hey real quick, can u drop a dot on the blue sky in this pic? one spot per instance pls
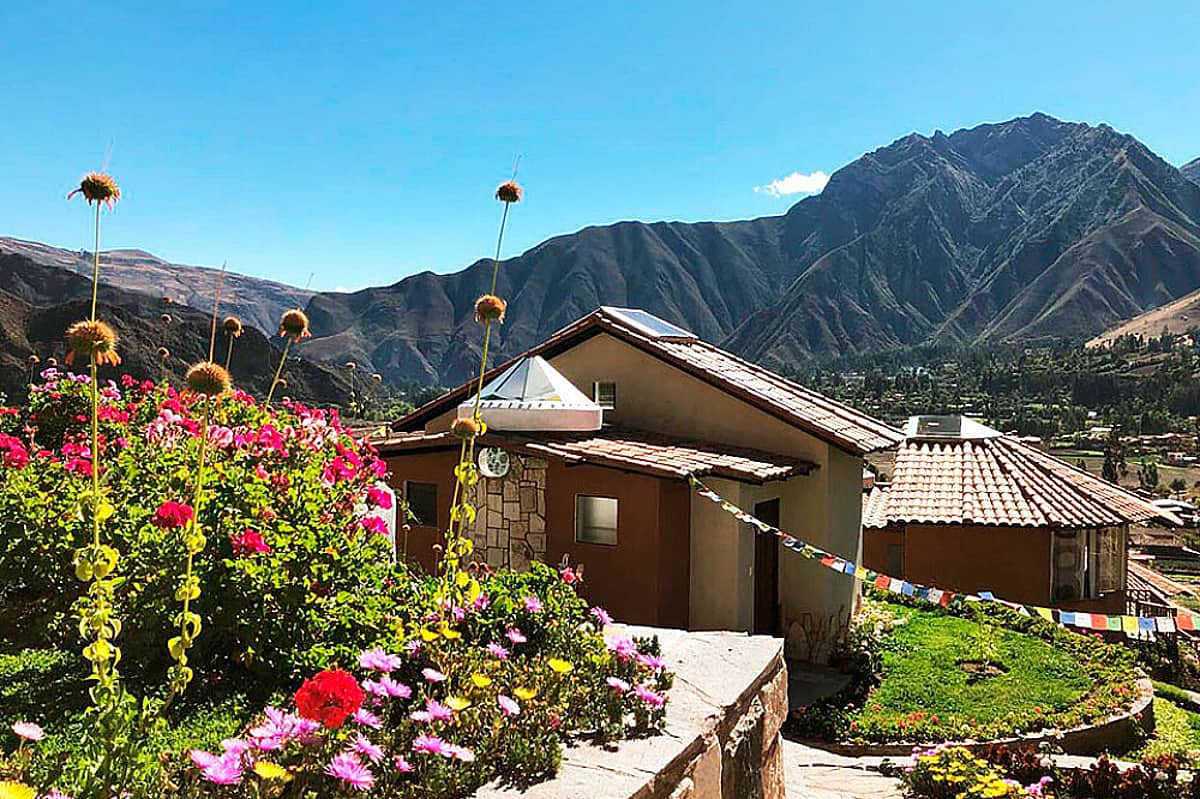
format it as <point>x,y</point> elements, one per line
<point>361,142</point>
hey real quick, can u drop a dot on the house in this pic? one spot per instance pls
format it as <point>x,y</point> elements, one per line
<point>591,437</point>
<point>970,510</point>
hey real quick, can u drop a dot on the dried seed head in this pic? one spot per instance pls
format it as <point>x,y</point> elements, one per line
<point>490,308</point>
<point>166,318</point>
<point>33,360</point>
<point>294,325</point>
<point>378,378</point>
<point>52,361</point>
<point>92,340</point>
<point>98,187</point>
<point>164,353</point>
<point>233,326</point>
<point>209,379</point>
<point>464,428</point>
<point>351,365</point>
<point>282,382</point>
<point>167,300</point>
<point>509,192</point>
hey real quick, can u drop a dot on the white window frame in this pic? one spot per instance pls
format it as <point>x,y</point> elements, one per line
<point>611,406</point>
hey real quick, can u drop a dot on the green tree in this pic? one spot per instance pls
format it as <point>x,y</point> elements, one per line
<point>1148,474</point>
<point>1114,458</point>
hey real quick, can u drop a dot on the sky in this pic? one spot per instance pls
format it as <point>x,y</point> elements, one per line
<point>361,142</point>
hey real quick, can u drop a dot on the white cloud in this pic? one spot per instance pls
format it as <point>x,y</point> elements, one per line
<point>795,183</point>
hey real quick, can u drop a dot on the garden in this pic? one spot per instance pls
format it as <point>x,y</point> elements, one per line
<point>200,598</point>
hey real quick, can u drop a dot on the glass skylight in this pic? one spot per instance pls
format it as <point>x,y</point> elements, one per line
<point>649,324</point>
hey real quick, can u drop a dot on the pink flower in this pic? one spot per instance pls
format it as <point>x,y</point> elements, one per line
<point>363,746</point>
<point>653,662</point>
<point>350,770</point>
<point>367,718</point>
<point>533,605</point>
<point>433,675</point>
<point>278,728</point>
<point>508,705</point>
<point>374,525</point>
<point>433,745</point>
<point>461,753</point>
<point>434,711</point>
<point>622,646</point>
<point>249,542</point>
<point>225,769</point>
<point>649,697</point>
<point>28,730</point>
<point>601,616</point>
<point>379,498</point>
<point>402,765</point>
<point>172,515</point>
<point>497,651</point>
<point>617,684</point>
<point>378,660</point>
<point>515,635</point>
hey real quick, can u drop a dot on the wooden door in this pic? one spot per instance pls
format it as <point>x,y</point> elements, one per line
<point>766,571</point>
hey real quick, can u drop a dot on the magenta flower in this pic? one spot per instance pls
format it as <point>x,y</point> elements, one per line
<point>433,675</point>
<point>649,697</point>
<point>367,718</point>
<point>461,753</point>
<point>379,498</point>
<point>249,542</point>
<point>617,684</point>
<point>433,745</point>
<point>434,711</point>
<point>601,616</point>
<point>378,660</point>
<point>622,646</point>
<point>508,705</point>
<point>172,515</point>
<point>653,662</point>
<point>413,648</point>
<point>363,746</point>
<point>515,635</point>
<point>533,604</point>
<point>278,728</point>
<point>402,765</point>
<point>497,651</point>
<point>374,525</point>
<point>350,770</point>
<point>223,770</point>
<point>28,731</point>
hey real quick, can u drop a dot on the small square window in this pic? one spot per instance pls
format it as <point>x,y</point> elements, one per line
<point>605,395</point>
<point>422,502</point>
<point>595,520</point>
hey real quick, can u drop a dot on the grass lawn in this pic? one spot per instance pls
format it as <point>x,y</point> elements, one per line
<point>1176,732</point>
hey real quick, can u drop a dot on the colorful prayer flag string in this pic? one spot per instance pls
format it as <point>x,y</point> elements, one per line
<point>1131,625</point>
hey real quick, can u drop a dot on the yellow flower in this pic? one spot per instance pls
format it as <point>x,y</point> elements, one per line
<point>271,771</point>
<point>16,790</point>
<point>448,633</point>
<point>481,680</point>
<point>97,187</point>
<point>428,635</point>
<point>457,703</point>
<point>525,693</point>
<point>560,666</point>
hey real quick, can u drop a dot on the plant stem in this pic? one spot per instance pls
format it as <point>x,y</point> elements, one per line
<point>96,264</point>
<point>229,353</point>
<point>95,454</point>
<point>278,371</point>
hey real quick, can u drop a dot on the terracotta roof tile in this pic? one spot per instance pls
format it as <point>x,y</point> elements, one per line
<point>827,419</point>
<point>996,481</point>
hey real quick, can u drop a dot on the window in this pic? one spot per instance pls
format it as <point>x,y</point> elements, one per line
<point>595,520</point>
<point>1087,564</point>
<point>895,560</point>
<point>422,502</point>
<point>605,395</point>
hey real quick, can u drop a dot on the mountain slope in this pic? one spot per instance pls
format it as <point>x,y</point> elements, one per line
<point>258,302</point>
<point>1191,170</point>
<point>1024,230</point>
<point>37,302</point>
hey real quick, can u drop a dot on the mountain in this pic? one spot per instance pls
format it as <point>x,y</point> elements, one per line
<point>1191,170</point>
<point>258,302</point>
<point>38,301</point>
<point>1025,230</point>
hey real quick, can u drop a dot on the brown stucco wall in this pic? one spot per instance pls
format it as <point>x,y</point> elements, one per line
<point>643,579</point>
<point>1011,562</point>
<point>424,467</point>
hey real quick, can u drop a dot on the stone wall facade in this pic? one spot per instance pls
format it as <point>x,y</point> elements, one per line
<point>510,520</point>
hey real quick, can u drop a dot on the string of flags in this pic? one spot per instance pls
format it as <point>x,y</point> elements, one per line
<point>1131,625</point>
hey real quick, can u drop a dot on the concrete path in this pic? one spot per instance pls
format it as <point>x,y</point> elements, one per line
<point>812,773</point>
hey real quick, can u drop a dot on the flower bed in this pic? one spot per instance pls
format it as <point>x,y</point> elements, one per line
<point>911,686</point>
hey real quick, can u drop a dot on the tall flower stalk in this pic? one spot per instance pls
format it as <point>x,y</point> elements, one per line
<point>489,309</point>
<point>233,330</point>
<point>97,562</point>
<point>293,326</point>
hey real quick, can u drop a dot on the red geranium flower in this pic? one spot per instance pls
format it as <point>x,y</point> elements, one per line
<point>172,515</point>
<point>330,697</point>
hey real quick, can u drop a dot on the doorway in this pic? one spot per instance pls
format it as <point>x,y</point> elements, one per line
<point>766,571</point>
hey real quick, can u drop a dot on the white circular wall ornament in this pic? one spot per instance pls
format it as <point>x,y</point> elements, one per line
<point>493,462</point>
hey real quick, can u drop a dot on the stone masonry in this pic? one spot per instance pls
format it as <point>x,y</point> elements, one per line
<point>510,521</point>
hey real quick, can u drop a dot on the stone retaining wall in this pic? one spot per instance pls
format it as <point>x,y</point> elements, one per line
<point>1117,733</point>
<point>722,734</point>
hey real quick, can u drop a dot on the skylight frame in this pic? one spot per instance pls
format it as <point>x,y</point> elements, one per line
<point>650,325</point>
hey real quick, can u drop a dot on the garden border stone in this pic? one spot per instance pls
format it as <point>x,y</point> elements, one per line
<point>1120,731</point>
<point>721,739</point>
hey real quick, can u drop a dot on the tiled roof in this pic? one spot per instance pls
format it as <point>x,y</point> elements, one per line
<point>997,481</point>
<point>1143,578</point>
<point>630,450</point>
<point>827,419</point>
